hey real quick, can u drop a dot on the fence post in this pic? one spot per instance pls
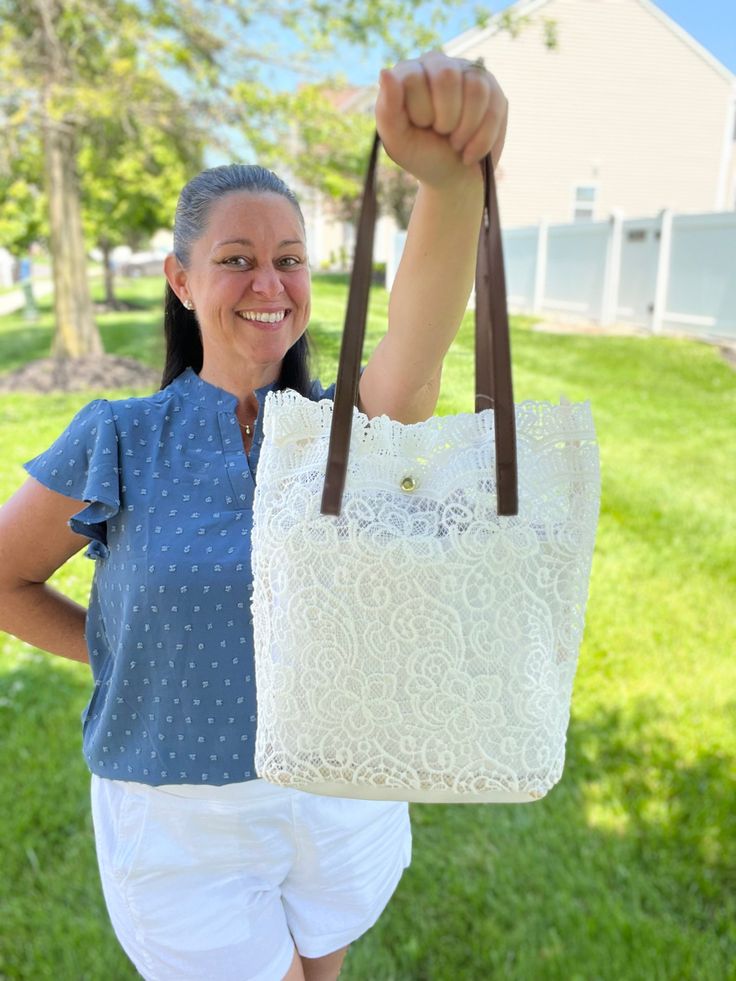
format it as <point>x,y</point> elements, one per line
<point>394,258</point>
<point>663,269</point>
<point>540,269</point>
<point>612,268</point>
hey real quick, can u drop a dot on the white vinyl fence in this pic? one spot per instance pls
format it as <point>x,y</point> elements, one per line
<point>668,274</point>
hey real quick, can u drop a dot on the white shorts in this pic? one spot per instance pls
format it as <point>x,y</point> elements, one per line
<point>221,883</point>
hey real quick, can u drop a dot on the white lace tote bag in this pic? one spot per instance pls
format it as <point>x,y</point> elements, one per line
<point>419,590</point>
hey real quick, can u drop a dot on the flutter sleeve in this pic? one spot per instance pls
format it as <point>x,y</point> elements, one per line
<point>83,464</point>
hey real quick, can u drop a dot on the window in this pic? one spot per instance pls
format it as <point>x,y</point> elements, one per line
<point>584,205</point>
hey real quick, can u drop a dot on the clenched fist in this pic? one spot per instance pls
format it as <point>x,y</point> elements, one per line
<point>439,116</point>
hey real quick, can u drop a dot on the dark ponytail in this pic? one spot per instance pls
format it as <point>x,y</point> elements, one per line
<point>181,330</point>
<point>183,340</point>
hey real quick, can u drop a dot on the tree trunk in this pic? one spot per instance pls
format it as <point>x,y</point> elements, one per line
<point>106,249</point>
<point>76,332</point>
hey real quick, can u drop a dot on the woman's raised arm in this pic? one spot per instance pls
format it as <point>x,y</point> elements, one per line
<point>437,118</point>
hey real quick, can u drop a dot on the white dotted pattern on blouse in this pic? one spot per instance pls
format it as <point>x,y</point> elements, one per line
<point>169,495</point>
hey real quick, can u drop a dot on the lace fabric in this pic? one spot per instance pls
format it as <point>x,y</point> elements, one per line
<point>419,646</point>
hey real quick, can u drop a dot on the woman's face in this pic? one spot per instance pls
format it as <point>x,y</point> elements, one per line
<point>249,281</point>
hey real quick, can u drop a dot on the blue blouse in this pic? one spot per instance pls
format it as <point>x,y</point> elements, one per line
<point>169,489</point>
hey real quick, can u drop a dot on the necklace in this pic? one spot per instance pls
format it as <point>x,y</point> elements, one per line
<point>247,429</point>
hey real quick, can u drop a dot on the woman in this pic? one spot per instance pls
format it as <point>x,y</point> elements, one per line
<point>207,871</point>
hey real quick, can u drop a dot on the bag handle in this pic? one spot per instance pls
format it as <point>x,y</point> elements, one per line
<point>493,385</point>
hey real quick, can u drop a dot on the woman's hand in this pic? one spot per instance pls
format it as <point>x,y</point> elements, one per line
<point>438,117</point>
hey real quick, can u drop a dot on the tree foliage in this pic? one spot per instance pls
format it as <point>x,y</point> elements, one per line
<point>95,96</point>
<point>309,136</point>
<point>132,177</point>
<point>23,215</point>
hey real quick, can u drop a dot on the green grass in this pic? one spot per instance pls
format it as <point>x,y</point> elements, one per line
<point>627,870</point>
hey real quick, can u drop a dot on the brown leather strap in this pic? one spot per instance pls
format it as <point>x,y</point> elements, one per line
<point>493,386</point>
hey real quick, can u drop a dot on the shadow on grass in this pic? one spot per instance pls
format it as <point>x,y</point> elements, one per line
<point>332,279</point>
<point>54,920</point>
<point>625,871</point>
<point>127,337</point>
<point>325,342</point>
<point>138,336</point>
<point>23,343</point>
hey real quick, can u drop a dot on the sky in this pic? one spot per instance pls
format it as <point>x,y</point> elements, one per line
<point>711,22</point>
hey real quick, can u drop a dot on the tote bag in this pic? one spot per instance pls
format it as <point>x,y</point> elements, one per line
<point>419,590</point>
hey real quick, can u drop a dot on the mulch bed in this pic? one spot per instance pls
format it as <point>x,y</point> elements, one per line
<point>101,372</point>
<point>96,372</point>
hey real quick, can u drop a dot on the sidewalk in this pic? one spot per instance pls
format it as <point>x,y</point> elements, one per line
<point>16,301</point>
<point>558,326</point>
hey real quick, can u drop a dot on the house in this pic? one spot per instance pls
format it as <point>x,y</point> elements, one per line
<point>627,111</point>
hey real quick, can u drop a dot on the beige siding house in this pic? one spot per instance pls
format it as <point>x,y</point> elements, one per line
<point>627,112</point>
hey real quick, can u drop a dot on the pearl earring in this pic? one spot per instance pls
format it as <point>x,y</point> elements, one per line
<point>188,304</point>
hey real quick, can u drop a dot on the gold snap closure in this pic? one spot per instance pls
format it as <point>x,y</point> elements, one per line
<point>408,484</point>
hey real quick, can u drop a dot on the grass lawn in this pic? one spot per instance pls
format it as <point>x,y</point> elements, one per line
<point>627,870</point>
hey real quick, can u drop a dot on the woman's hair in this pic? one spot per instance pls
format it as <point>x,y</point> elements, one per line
<point>181,330</point>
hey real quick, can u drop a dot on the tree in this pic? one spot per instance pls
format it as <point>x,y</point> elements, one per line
<point>131,181</point>
<point>35,63</point>
<point>73,72</point>
<point>67,64</point>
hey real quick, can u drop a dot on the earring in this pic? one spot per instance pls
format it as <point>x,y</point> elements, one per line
<point>188,304</point>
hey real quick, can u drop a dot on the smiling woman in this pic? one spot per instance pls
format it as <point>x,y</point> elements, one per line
<point>250,296</point>
<point>207,871</point>
<point>247,294</point>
